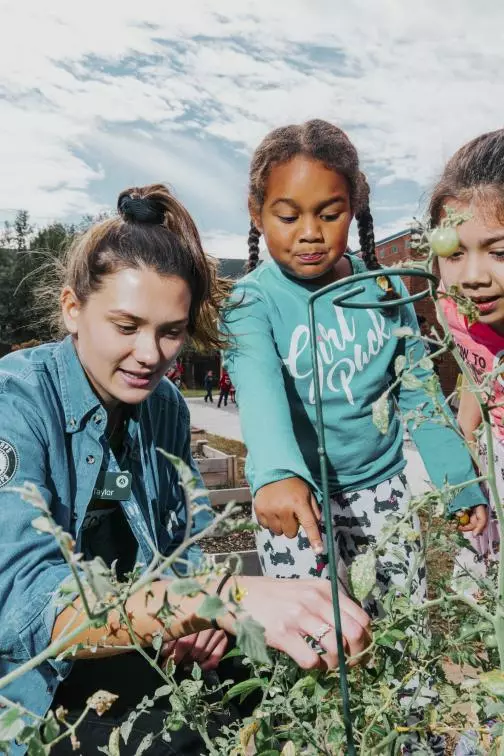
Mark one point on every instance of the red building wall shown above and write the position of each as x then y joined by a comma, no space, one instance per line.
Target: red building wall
389,252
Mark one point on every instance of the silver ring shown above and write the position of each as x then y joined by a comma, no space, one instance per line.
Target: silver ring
322,630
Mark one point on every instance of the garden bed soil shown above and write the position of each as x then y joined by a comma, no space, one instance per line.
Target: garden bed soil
232,542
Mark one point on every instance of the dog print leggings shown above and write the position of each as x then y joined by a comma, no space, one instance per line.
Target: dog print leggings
358,519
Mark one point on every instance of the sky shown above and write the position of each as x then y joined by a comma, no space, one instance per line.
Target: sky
106,94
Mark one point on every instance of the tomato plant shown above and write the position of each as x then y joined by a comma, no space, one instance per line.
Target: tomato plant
417,679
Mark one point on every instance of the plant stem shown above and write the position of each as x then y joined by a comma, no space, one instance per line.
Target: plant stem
382,709
202,731
457,597
71,728
7,703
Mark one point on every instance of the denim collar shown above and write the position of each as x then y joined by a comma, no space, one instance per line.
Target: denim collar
78,398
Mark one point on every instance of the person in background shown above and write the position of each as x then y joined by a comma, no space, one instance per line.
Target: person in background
175,373
208,386
232,394
225,387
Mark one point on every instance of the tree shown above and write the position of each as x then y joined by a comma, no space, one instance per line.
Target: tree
26,257
52,240
7,236
7,261
22,229
28,267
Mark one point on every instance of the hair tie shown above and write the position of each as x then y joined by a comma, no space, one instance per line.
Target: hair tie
141,209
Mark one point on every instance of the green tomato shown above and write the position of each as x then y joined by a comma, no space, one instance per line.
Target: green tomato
491,641
444,241
468,630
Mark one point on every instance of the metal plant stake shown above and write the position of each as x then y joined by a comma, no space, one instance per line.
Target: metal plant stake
344,300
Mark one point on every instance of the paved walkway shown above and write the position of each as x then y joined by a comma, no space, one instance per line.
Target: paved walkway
225,422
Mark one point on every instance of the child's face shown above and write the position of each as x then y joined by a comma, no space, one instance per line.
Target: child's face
478,267
305,218
129,332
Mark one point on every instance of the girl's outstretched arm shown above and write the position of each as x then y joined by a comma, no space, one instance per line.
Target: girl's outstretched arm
469,415
257,371
444,453
278,475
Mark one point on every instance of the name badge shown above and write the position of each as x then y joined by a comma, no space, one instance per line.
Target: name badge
113,486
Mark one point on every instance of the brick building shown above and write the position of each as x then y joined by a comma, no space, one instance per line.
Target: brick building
390,251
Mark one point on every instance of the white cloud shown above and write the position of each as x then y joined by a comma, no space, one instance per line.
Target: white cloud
202,179
409,81
225,245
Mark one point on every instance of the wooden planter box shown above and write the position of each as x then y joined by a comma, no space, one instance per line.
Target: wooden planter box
216,467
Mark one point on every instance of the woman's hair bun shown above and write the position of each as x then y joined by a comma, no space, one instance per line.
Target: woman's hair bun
140,209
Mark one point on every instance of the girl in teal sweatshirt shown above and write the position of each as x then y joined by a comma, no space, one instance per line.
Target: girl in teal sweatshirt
305,188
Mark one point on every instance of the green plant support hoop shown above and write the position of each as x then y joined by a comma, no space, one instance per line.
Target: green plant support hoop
342,300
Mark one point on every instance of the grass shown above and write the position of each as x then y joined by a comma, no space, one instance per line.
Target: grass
193,393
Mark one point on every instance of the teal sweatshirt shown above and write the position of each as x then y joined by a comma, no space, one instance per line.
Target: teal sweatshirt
270,366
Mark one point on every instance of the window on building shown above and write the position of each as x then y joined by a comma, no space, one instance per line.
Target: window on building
408,244
382,253
395,248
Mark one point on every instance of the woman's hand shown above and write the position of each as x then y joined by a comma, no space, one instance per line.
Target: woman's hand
285,505
291,610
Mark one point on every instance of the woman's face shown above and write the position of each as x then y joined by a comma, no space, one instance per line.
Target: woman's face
129,331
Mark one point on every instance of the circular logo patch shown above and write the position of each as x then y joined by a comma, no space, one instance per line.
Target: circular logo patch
8,462
122,481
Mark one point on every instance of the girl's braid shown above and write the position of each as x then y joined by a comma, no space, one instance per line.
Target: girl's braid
253,247
367,239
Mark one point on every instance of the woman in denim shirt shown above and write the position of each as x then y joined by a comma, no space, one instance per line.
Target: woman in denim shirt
82,420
